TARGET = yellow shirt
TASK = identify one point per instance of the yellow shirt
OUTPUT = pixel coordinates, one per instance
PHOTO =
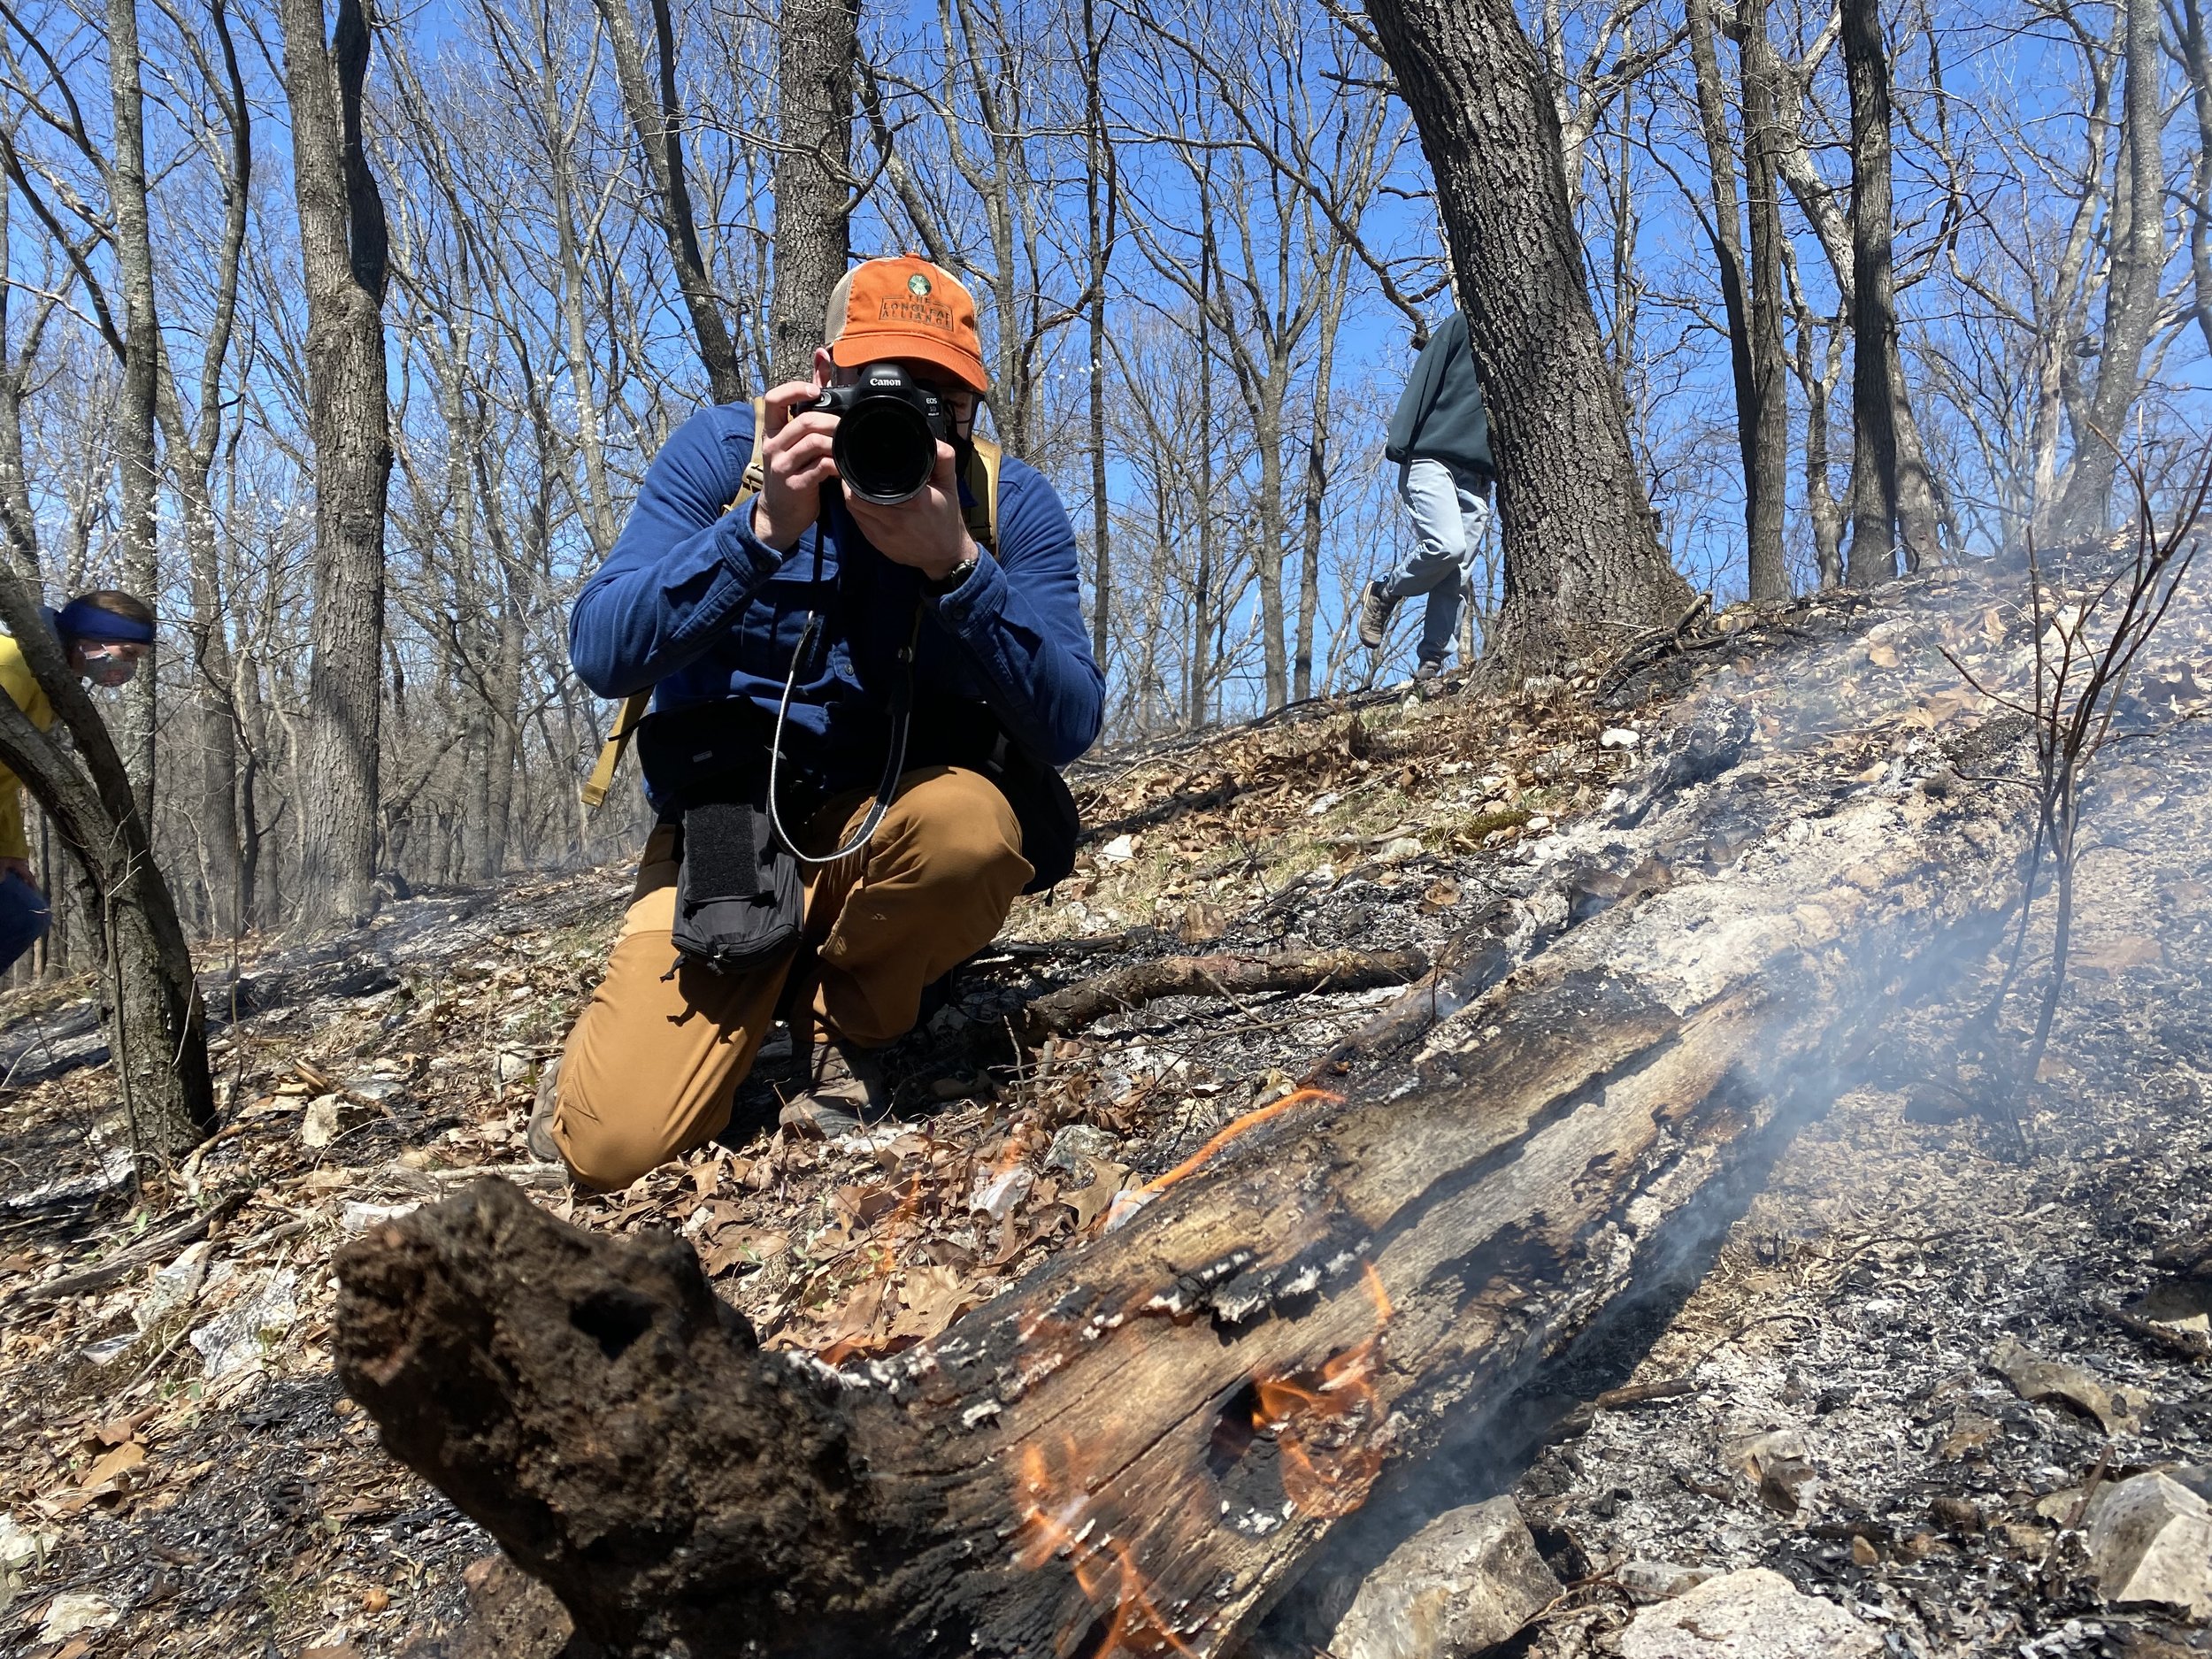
(16, 680)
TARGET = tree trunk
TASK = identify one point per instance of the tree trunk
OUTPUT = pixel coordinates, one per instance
(1315, 502)
(1919, 499)
(1767, 458)
(2197, 54)
(156, 1028)
(1728, 257)
(2133, 300)
(343, 248)
(659, 128)
(1203, 578)
(815, 51)
(1583, 563)
(134, 431)
(1135, 1450)
(1102, 199)
(1875, 532)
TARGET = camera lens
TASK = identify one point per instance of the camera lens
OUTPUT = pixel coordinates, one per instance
(884, 449)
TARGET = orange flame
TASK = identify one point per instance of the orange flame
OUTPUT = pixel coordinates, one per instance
(1127, 1203)
(1327, 1422)
(1058, 1519)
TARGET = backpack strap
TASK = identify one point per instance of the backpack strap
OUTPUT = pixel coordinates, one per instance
(628, 717)
(985, 460)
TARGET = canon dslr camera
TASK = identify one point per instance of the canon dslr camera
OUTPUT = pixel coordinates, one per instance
(888, 429)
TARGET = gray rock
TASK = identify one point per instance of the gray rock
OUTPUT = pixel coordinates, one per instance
(1658, 1580)
(1467, 1581)
(2150, 1543)
(1076, 1143)
(1754, 1614)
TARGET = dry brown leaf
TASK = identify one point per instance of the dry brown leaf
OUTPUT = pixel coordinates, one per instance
(106, 1469)
(1882, 656)
(1091, 1201)
(1442, 895)
(122, 1429)
(934, 1297)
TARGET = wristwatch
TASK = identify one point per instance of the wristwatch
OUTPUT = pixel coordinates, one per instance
(952, 579)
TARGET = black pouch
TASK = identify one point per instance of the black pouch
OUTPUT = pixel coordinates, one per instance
(741, 901)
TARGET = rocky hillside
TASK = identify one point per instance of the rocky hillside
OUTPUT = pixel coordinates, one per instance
(1901, 1373)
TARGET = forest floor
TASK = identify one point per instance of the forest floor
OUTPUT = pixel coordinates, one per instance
(180, 1475)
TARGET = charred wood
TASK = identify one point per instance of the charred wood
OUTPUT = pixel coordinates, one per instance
(1139, 1446)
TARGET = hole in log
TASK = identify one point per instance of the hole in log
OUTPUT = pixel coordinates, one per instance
(614, 1318)
(1235, 1431)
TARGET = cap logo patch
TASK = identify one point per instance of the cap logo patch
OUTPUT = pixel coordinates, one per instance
(919, 312)
(917, 285)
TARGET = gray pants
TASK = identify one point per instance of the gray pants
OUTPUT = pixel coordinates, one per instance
(1451, 510)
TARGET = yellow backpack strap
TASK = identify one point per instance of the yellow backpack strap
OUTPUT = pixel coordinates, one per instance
(983, 470)
(634, 707)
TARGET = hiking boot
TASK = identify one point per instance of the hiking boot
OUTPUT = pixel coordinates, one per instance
(1375, 609)
(845, 1093)
(1427, 668)
(538, 1137)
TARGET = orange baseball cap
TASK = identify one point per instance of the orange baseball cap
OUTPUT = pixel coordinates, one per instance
(905, 307)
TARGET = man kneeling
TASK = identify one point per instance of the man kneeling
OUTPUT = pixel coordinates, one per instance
(774, 601)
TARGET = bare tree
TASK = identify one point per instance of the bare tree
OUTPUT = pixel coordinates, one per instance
(659, 121)
(2133, 300)
(815, 62)
(343, 253)
(1583, 563)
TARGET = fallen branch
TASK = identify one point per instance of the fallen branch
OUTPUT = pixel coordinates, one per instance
(1078, 1005)
(155, 1246)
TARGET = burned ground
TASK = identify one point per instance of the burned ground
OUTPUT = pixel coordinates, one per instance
(200, 1477)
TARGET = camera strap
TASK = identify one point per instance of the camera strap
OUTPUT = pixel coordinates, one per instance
(895, 757)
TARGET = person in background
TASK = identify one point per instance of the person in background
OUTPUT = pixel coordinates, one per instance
(1439, 437)
(106, 633)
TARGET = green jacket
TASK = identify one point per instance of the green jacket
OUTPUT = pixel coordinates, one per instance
(1439, 415)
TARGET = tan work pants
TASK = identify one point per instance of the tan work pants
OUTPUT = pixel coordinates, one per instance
(653, 1063)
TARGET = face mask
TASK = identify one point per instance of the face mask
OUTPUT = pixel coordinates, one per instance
(106, 664)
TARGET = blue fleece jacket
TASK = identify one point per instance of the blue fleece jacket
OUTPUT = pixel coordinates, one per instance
(694, 604)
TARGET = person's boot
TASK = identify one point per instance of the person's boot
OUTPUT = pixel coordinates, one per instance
(539, 1138)
(845, 1092)
(1375, 609)
(1428, 668)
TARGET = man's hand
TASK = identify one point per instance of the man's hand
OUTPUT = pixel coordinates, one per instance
(928, 532)
(794, 454)
(19, 867)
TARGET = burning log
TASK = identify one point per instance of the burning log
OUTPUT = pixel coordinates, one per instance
(1134, 1451)
(1223, 976)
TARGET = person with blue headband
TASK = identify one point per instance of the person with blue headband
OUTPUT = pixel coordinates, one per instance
(106, 633)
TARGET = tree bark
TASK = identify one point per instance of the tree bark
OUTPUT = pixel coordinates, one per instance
(1141, 1444)
(1750, 287)
(1583, 563)
(1919, 498)
(1877, 531)
(1767, 456)
(133, 433)
(1102, 199)
(156, 1028)
(816, 50)
(343, 250)
(659, 126)
(2133, 300)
